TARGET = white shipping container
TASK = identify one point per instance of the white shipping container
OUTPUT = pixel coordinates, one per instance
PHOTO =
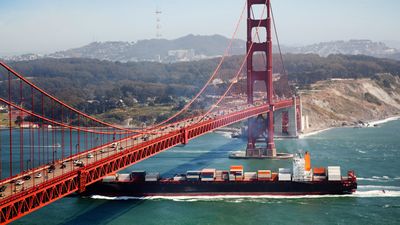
(334, 178)
(284, 177)
(333, 169)
(179, 178)
(207, 179)
(124, 177)
(334, 173)
(152, 177)
(109, 179)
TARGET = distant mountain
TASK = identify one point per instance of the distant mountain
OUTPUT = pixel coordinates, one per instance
(197, 47)
(352, 47)
(187, 48)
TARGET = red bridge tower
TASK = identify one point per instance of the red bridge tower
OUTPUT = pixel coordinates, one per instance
(264, 74)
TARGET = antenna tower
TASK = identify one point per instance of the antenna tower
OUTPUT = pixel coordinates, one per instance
(158, 23)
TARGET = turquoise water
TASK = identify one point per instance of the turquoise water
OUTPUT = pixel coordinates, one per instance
(374, 154)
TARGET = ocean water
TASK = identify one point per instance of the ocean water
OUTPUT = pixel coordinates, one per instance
(374, 153)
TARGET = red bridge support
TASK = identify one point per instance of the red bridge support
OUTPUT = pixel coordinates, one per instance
(265, 74)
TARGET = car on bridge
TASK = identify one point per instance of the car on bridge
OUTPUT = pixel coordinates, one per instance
(79, 163)
(19, 182)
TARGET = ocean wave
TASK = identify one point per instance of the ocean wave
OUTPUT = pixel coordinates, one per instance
(314, 133)
(360, 151)
(379, 187)
(378, 178)
(119, 198)
(224, 134)
(384, 120)
(381, 193)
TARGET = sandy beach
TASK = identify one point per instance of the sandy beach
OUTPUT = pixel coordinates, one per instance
(371, 123)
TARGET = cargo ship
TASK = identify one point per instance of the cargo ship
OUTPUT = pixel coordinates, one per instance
(301, 179)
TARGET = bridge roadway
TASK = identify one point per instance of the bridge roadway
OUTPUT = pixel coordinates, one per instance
(19, 200)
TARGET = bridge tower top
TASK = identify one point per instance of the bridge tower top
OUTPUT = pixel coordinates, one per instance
(258, 45)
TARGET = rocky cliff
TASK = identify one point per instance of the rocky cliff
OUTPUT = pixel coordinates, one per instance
(346, 102)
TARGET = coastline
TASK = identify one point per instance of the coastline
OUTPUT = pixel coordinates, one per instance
(372, 123)
(377, 122)
(314, 132)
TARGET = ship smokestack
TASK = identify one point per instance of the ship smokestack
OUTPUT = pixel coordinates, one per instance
(307, 159)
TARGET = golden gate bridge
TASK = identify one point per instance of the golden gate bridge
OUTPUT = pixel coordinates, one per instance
(56, 150)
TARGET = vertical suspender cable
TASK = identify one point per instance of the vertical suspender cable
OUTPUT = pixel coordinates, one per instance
(21, 132)
(10, 122)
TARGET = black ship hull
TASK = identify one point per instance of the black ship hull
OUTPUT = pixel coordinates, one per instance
(201, 188)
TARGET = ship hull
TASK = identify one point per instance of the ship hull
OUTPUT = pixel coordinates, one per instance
(201, 188)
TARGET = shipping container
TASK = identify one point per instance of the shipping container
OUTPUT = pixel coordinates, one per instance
(179, 178)
(236, 173)
(124, 177)
(138, 175)
(334, 178)
(334, 173)
(207, 174)
(193, 175)
(152, 177)
(264, 173)
(284, 177)
(319, 170)
(250, 176)
(109, 179)
(236, 168)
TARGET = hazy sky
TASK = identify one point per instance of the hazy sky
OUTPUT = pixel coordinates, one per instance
(43, 26)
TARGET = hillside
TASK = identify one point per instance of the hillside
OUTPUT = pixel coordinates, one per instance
(342, 102)
(118, 91)
(351, 47)
(187, 48)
